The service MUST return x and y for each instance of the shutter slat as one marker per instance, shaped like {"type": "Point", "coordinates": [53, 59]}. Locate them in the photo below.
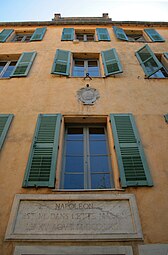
{"type": "Point", "coordinates": [102, 34]}
{"type": "Point", "coordinates": [38, 34]}
{"type": "Point", "coordinates": [68, 34]}
{"type": "Point", "coordinates": [154, 35]}
{"type": "Point", "coordinates": [132, 163]}
{"type": "Point", "coordinates": [5, 34]}
{"type": "Point", "coordinates": [41, 166]}
{"type": "Point", "coordinates": [148, 60]}
{"type": "Point", "coordinates": [24, 64]}
{"type": "Point", "coordinates": [111, 62]}
{"type": "Point", "coordinates": [120, 34]}
{"type": "Point", "coordinates": [5, 121]}
{"type": "Point", "coordinates": [61, 65]}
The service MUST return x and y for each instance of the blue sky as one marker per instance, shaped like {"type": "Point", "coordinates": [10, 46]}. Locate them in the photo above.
{"type": "Point", "coordinates": [41, 10]}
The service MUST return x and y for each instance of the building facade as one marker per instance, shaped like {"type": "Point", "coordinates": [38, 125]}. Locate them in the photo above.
{"type": "Point", "coordinates": [83, 137]}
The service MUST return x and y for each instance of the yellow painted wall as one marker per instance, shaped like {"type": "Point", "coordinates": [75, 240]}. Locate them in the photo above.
{"type": "Point", "coordinates": [129, 92]}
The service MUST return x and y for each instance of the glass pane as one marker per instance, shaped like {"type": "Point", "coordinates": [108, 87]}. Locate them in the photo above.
{"type": "Point", "coordinates": [2, 65]}
{"type": "Point", "coordinates": [73, 181]}
{"type": "Point", "coordinates": [90, 37]}
{"type": "Point", "coordinates": [144, 54]}
{"type": "Point", "coordinates": [99, 164]}
{"type": "Point", "coordinates": [100, 181]}
{"type": "Point", "coordinates": [98, 147]}
{"type": "Point", "coordinates": [74, 164]}
{"type": "Point", "coordinates": [9, 70]}
{"type": "Point", "coordinates": [93, 68]}
{"type": "Point", "coordinates": [75, 134]}
{"type": "Point", "coordinates": [78, 69]}
{"type": "Point", "coordinates": [74, 148]}
{"type": "Point", "coordinates": [96, 134]}
{"type": "Point", "coordinates": [80, 37]}
{"type": "Point", "coordinates": [18, 38]}
{"type": "Point", "coordinates": [158, 74]}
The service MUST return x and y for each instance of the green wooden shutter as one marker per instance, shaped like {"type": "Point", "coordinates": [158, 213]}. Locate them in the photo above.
{"type": "Point", "coordinates": [68, 34]}
{"type": "Point", "coordinates": [154, 35]}
{"type": "Point", "coordinates": [132, 163]}
{"type": "Point", "coordinates": [24, 64]}
{"type": "Point", "coordinates": [102, 34]}
{"type": "Point", "coordinates": [111, 62]}
{"type": "Point", "coordinates": [41, 167]}
{"type": "Point", "coordinates": [61, 63]}
{"type": "Point", "coordinates": [5, 121]}
{"type": "Point", "coordinates": [148, 60]}
{"type": "Point", "coordinates": [38, 34]}
{"type": "Point", "coordinates": [5, 34]}
{"type": "Point", "coordinates": [166, 54]}
{"type": "Point", "coordinates": [120, 34]}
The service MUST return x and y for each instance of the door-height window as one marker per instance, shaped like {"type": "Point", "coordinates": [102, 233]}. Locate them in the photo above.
{"type": "Point", "coordinates": [86, 162]}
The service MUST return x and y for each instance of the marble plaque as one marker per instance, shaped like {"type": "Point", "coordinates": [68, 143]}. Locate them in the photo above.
{"type": "Point", "coordinates": [60, 217]}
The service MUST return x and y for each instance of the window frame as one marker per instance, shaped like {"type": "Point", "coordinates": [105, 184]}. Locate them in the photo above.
{"type": "Point", "coordinates": [86, 156]}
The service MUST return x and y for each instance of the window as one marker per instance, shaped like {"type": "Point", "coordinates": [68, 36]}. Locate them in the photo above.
{"type": "Point", "coordinates": [84, 63]}
{"type": "Point", "coordinates": [86, 158]}
{"type": "Point", "coordinates": [86, 35]}
{"type": "Point", "coordinates": [81, 66]}
{"type": "Point", "coordinates": [146, 35]}
{"type": "Point", "coordinates": [5, 121]}
{"type": "Point", "coordinates": [10, 35]}
{"type": "Point", "coordinates": [16, 66]}
{"type": "Point", "coordinates": [154, 65]}
{"type": "Point", "coordinates": [19, 37]}
{"type": "Point", "coordinates": [6, 68]}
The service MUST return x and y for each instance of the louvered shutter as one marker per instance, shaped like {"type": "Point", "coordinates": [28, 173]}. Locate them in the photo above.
{"type": "Point", "coordinates": [148, 60]}
{"type": "Point", "coordinates": [102, 34]}
{"type": "Point", "coordinates": [5, 121]}
{"type": "Point", "coordinates": [68, 34]}
{"type": "Point", "coordinates": [24, 64]}
{"type": "Point", "coordinates": [41, 167]}
{"type": "Point", "coordinates": [38, 34]}
{"type": "Point", "coordinates": [154, 35]}
{"type": "Point", "coordinates": [120, 34]}
{"type": "Point", "coordinates": [5, 34]}
{"type": "Point", "coordinates": [166, 55]}
{"type": "Point", "coordinates": [166, 117]}
{"type": "Point", "coordinates": [111, 62]}
{"type": "Point", "coordinates": [61, 63]}
{"type": "Point", "coordinates": [132, 163]}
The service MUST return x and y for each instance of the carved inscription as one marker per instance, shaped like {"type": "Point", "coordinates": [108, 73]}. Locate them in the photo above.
{"type": "Point", "coordinates": [74, 217]}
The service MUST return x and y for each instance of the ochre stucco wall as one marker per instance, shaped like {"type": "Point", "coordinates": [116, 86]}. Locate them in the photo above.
{"type": "Point", "coordinates": [129, 92]}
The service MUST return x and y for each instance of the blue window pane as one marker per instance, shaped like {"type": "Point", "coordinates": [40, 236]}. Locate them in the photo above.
{"type": "Point", "coordinates": [75, 134]}
{"type": "Point", "coordinates": [93, 68]}
{"type": "Point", "coordinates": [78, 69]}
{"type": "Point", "coordinates": [100, 181]}
{"type": "Point", "coordinates": [96, 134]}
{"type": "Point", "coordinates": [73, 181]}
{"type": "Point", "coordinates": [98, 147]}
{"type": "Point", "coordinates": [9, 70]}
{"type": "Point", "coordinates": [74, 148]}
{"type": "Point", "coordinates": [74, 164]}
{"type": "Point", "coordinates": [99, 164]}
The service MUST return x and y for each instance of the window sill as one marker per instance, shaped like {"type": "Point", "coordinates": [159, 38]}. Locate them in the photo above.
{"type": "Point", "coordinates": [85, 190]}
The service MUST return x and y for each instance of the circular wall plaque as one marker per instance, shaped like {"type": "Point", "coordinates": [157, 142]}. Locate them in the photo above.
{"type": "Point", "coordinates": [88, 95]}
